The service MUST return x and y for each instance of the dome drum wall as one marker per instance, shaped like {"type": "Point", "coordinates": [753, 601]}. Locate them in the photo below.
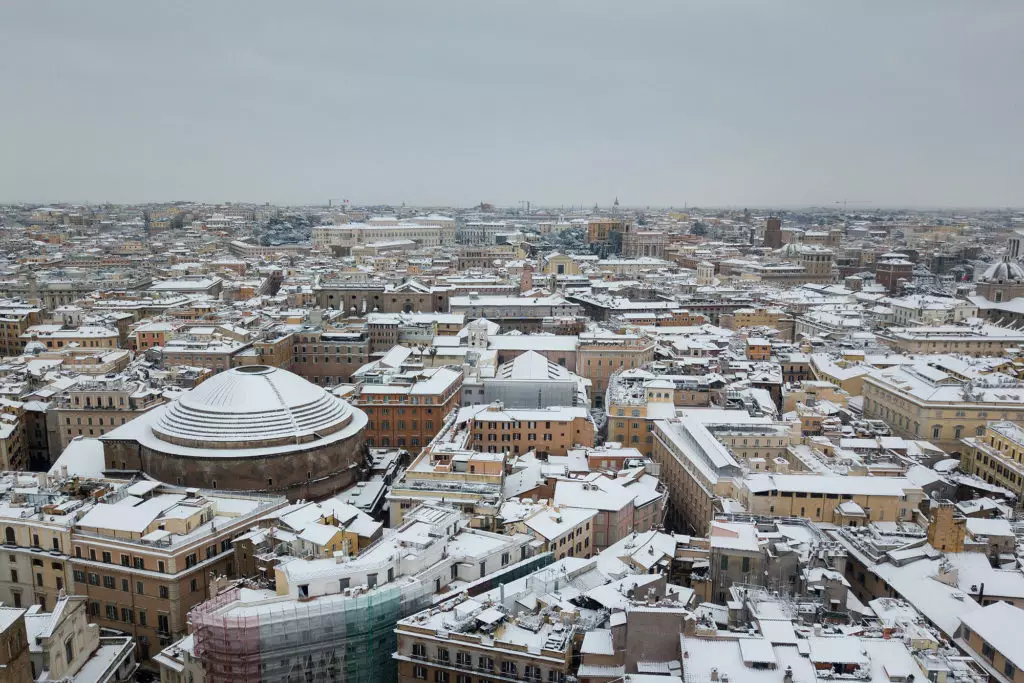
{"type": "Point", "coordinates": [315, 473]}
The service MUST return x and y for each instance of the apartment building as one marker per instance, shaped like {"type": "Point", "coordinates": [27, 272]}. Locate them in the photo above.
{"type": "Point", "coordinates": [147, 559]}
{"type": "Point", "coordinates": [328, 357]}
{"type": "Point", "coordinates": [448, 470]}
{"type": "Point", "coordinates": [213, 354]}
{"type": "Point", "coordinates": [563, 531]}
{"type": "Point", "coordinates": [15, 319]}
{"type": "Point", "coordinates": [600, 354]}
{"type": "Point", "coordinates": [776, 318]}
{"type": "Point", "coordinates": [634, 403]}
{"type": "Point", "coordinates": [997, 456]}
{"type": "Point", "coordinates": [989, 635]}
{"type": "Point", "coordinates": [95, 406]}
{"type": "Point", "coordinates": [548, 431]}
{"type": "Point", "coordinates": [525, 314]}
{"type": "Point", "coordinates": [14, 652]}
{"type": "Point", "coordinates": [918, 400]}
{"type": "Point", "coordinates": [63, 645]}
{"type": "Point", "coordinates": [844, 501]}
{"type": "Point", "coordinates": [361, 296]}
{"type": "Point", "coordinates": [406, 408]}
{"type": "Point", "coordinates": [633, 502]}
{"type": "Point", "coordinates": [59, 337]}
{"type": "Point", "coordinates": [978, 339]}
{"type": "Point", "coordinates": [34, 567]}
{"type": "Point", "coordinates": [355, 603]}
{"type": "Point", "coordinates": [695, 467]}
{"type": "Point", "coordinates": [14, 434]}
{"type": "Point", "coordinates": [428, 651]}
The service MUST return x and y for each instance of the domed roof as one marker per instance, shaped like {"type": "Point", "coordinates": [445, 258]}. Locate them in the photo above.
{"type": "Point", "coordinates": [1006, 269]}
{"type": "Point", "coordinates": [251, 406]}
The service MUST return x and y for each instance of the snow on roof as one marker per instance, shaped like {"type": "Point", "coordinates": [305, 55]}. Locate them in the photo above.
{"type": "Point", "coordinates": [734, 536]}
{"type": "Point", "coordinates": [989, 527]}
{"type": "Point", "coordinates": [941, 604]}
{"type": "Point", "coordinates": [117, 518]}
{"type": "Point", "coordinates": [554, 523]}
{"type": "Point", "coordinates": [757, 651]}
{"type": "Point", "coordinates": [598, 642]}
{"type": "Point", "coordinates": [814, 483]}
{"type": "Point", "coordinates": [1000, 625]}
{"type": "Point", "coordinates": [83, 457]}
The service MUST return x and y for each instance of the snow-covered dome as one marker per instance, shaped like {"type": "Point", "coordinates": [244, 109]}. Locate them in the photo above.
{"type": "Point", "coordinates": [252, 406]}
{"type": "Point", "coordinates": [1001, 271]}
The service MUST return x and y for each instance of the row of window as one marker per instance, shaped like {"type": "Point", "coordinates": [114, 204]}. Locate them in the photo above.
{"type": "Point", "coordinates": [128, 616]}
{"type": "Point", "coordinates": [484, 664]}
{"type": "Point", "coordinates": [99, 401]}
{"type": "Point", "coordinates": [514, 437]}
{"type": "Point", "coordinates": [140, 562]}
{"type": "Point", "coordinates": [78, 420]}
{"type": "Point", "coordinates": [386, 424]}
{"type": "Point", "coordinates": [10, 538]}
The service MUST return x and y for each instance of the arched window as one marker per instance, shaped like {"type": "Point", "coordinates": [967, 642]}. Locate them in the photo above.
{"type": "Point", "coordinates": [10, 537]}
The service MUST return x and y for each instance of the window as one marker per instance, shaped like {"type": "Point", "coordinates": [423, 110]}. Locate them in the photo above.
{"type": "Point", "coordinates": [508, 667]}
{"type": "Point", "coordinates": [164, 593]}
{"type": "Point", "coordinates": [108, 582]}
{"type": "Point", "coordinates": [112, 612]}
{"type": "Point", "coordinates": [193, 585]}
{"type": "Point", "coordinates": [127, 616]}
{"type": "Point", "coordinates": [745, 565]}
{"type": "Point", "coordinates": [163, 623]}
{"type": "Point", "coordinates": [532, 672]}
{"type": "Point", "coordinates": [440, 677]}
{"type": "Point", "coordinates": [106, 557]}
{"type": "Point", "coordinates": [419, 671]}
{"type": "Point", "coordinates": [124, 585]}
{"type": "Point", "coordinates": [140, 563]}
{"type": "Point", "coordinates": [725, 563]}
{"type": "Point", "coordinates": [69, 649]}
{"type": "Point", "coordinates": [442, 654]}
{"type": "Point", "coordinates": [419, 651]}
{"type": "Point", "coordinates": [142, 617]}
{"type": "Point", "coordinates": [125, 561]}
{"type": "Point", "coordinates": [138, 588]}
{"type": "Point", "coordinates": [1010, 670]}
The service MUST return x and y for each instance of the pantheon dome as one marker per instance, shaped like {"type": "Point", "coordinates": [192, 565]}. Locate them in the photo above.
{"type": "Point", "coordinates": [252, 428]}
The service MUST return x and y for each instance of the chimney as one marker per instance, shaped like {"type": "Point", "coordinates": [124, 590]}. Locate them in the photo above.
{"type": "Point", "coordinates": [714, 673]}
{"type": "Point", "coordinates": [788, 677]}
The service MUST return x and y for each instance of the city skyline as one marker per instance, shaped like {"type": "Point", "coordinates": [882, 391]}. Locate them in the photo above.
{"type": "Point", "coordinates": [732, 105]}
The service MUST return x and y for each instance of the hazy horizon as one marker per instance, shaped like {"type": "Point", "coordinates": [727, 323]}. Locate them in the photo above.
{"type": "Point", "coordinates": [717, 105]}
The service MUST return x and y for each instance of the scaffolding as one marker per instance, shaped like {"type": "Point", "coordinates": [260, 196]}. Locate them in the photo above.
{"type": "Point", "coordinates": [341, 637]}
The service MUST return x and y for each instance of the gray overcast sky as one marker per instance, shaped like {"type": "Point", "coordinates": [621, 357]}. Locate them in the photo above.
{"type": "Point", "coordinates": [754, 103]}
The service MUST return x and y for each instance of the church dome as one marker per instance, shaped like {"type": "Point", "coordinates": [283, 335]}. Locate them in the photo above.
{"type": "Point", "coordinates": [252, 406]}
{"type": "Point", "coordinates": [1003, 270]}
